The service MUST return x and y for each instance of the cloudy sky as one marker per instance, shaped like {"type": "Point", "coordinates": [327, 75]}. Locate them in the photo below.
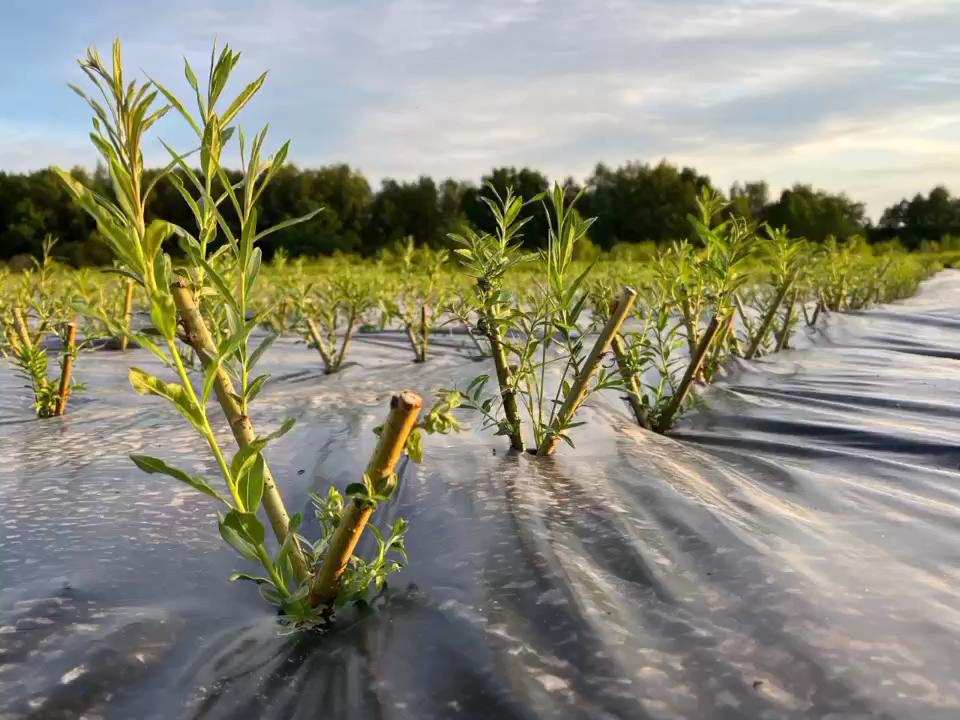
{"type": "Point", "coordinates": [855, 95]}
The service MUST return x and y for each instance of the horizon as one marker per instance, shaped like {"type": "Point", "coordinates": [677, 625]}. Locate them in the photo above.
{"type": "Point", "coordinates": [850, 97]}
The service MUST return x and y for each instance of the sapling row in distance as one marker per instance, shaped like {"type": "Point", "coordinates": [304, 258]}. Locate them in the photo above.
{"type": "Point", "coordinates": [417, 296]}
{"type": "Point", "coordinates": [205, 304]}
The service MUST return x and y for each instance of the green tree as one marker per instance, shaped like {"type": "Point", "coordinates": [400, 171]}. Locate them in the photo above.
{"type": "Point", "coordinates": [639, 202]}
{"type": "Point", "coordinates": [816, 214]}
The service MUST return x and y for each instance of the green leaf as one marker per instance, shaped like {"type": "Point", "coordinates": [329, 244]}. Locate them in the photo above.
{"type": "Point", "coordinates": [247, 526]}
{"type": "Point", "coordinates": [242, 99]}
{"type": "Point", "coordinates": [415, 446]}
{"type": "Point", "coordinates": [234, 539]}
{"type": "Point", "coordinates": [157, 232]}
{"type": "Point", "coordinates": [163, 314]}
{"type": "Point", "coordinates": [250, 485]}
{"type": "Point", "coordinates": [261, 348]}
{"type": "Point", "coordinates": [211, 147]}
{"type": "Point", "coordinates": [226, 293]}
{"type": "Point", "coordinates": [356, 490]}
{"type": "Point", "coordinates": [287, 223]}
{"type": "Point", "coordinates": [295, 521]}
{"type": "Point", "coordinates": [243, 460]}
{"type": "Point", "coordinates": [209, 380]}
{"type": "Point", "coordinates": [146, 384]}
{"type": "Point", "coordinates": [258, 579]}
{"type": "Point", "coordinates": [284, 429]}
{"type": "Point", "coordinates": [254, 388]}
{"type": "Point", "coordinates": [155, 465]}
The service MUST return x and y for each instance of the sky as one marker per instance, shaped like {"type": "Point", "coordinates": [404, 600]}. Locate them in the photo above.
{"type": "Point", "coordinates": [860, 96]}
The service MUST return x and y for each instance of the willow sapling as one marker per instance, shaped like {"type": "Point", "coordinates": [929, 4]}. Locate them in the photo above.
{"type": "Point", "coordinates": [323, 309]}
{"type": "Point", "coordinates": [578, 391]}
{"type": "Point", "coordinates": [547, 329]}
{"type": "Point", "coordinates": [721, 272]}
{"type": "Point", "coordinates": [31, 361]}
{"type": "Point", "coordinates": [205, 305]}
{"type": "Point", "coordinates": [418, 295]}
{"type": "Point", "coordinates": [766, 321]}
{"type": "Point", "coordinates": [379, 481]}
{"type": "Point", "coordinates": [487, 258]}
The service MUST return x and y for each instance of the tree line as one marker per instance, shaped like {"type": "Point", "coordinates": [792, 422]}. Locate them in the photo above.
{"type": "Point", "coordinates": [633, 203]}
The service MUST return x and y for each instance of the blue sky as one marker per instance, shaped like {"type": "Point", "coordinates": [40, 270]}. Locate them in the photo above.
{"type": "Point", "coordinates": [854, 95]}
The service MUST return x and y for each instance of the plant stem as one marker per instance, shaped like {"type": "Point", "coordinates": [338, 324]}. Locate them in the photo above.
{"type": "Point", "coordinates": [198, 337]}
{"type": "Point", "coordinates": [20, 325]}
{"type": "Point", "coordinates": [768, 318]}
{"type": "Point", "coordinates": [713, 364]}
{"type": "Point", "coordinates": [783, 339]}
{"type": "Point", "coordinates": [207, 431]}
{"type": "Point", "coordinates": [744, 317]}
{"type": "Point", "coordinates": [680, 395]}
{"type": "Point", "coordinates": [424, 332]}
{"type": "Point", "coordinates": [630, 380]}
{"type": "Point", "coordinates": [404, 409]}
{"type": "Point", "coordinates": [346, 338]}
{"type": "Point", "coordinates": [317, 338]}
{"type": "Point", "coordinates": [12, 339]}
{"type": "Point", "coordinates": [69, 352]}
{"type": "Point", "coordinates": [127, 315]}
{"type": "Point", "coordinates": [811, 321]}
{"type": "Point", "coordinates": [507, 393]}
{"type": "Point", "coordinates": [581, 385]}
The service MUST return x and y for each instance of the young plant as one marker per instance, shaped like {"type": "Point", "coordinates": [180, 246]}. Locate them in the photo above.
{"type": "Point", "coordinates": [45, 298]}
{"type": "Point", "coordinates": [727, 248]}
{"type": "Point", "coordinates": [328, 308]}
{"type": "Point", "coordinates": [704, 283]}
{"type": "Point", "coordinates": [419, 296]}
{"type": "Point", "coordinates": [529, 339]}
{"type": "Point", "coordinates": [31, 362]}
{"type": "Point", "coordinates": [205, 304]}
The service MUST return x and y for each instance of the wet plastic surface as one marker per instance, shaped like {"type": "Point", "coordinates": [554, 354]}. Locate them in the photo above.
{"type": "Point", "coordinates": [793, 550]}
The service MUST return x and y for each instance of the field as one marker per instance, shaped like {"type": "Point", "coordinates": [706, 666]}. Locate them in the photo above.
{"type": "Point", "coordinates": [497, 477]}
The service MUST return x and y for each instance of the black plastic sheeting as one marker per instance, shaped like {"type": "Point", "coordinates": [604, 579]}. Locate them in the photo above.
{"type": "Point", "coordinates": [792, 550]}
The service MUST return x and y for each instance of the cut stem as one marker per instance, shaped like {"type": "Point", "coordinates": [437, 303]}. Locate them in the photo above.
{"type": "Point", "coordinates": [581, 385]}
{"type": "Point", "coordinates": [69, 353]}
{"type": "Point", "coordinates": [198, 337]}
{"type": "Point", "coordinates": [676, 402]}
{"type": "Point", "coordinates": [783, 339]}
{"type": "Point", "coordinates": [12, 339]}
{"type": "Point", "coordinates": [723, 336]}
{"type": "Point", "coordinates": [768, 317]}
{"type": "Point", "coordinates": [21, 328]}
{"type": "Point", "coordinates": [346, 338]}
{"type": "Point", "coordinates": [404, 409]}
